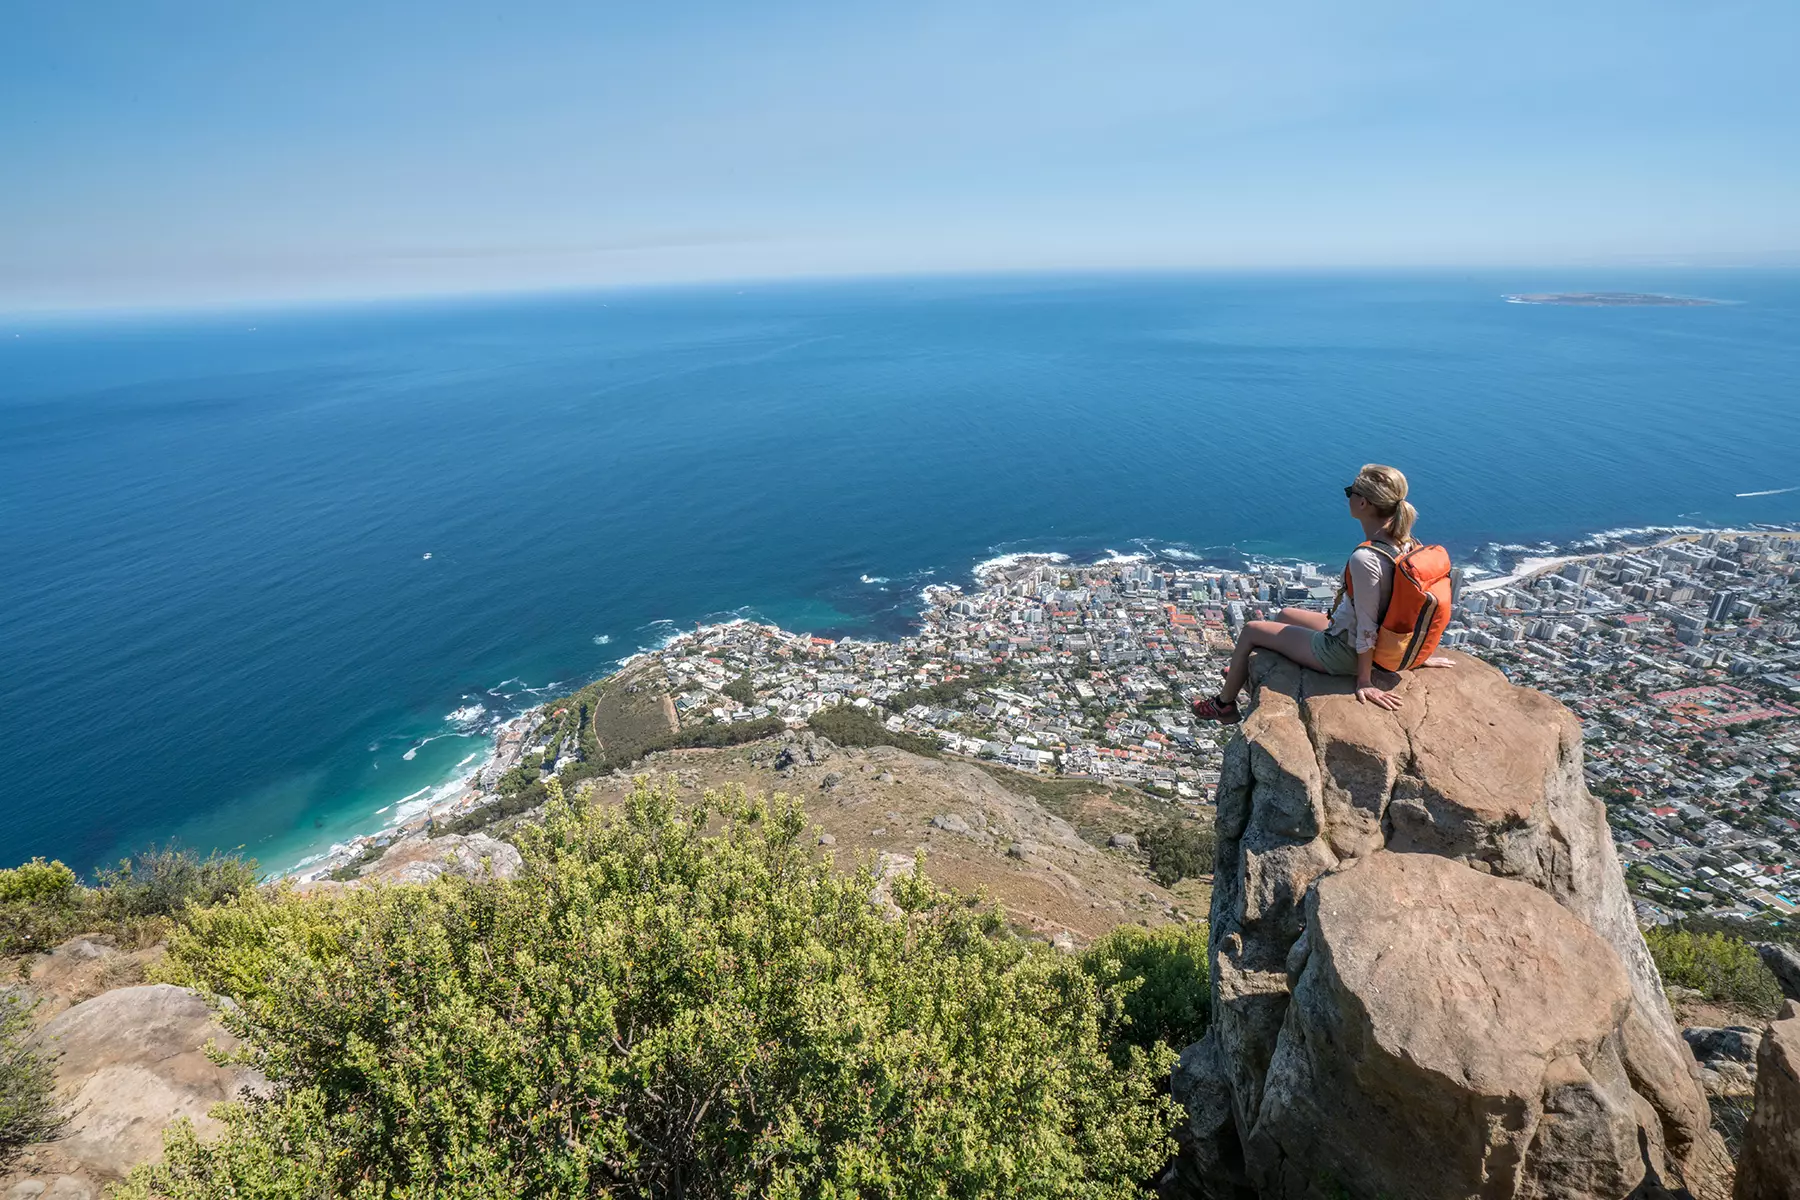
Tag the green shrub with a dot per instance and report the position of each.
(1177, 849)
(38, 882)
(1720, 967)
(29, 1111)
(667, 1001)
(1161, 976)
(162, 882)
(41, 903)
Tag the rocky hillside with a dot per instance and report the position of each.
(1061, 857)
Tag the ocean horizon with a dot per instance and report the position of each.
(274, 575)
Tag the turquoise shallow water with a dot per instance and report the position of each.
(218, 623)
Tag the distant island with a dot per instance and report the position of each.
(1610, 299)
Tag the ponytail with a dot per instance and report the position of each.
(1385, 488)
(1400, 525)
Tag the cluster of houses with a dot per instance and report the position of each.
(1683, 662)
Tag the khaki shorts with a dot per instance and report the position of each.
(1334, 652)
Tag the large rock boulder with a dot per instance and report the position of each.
(132, 1061)
(422, 859)
(1770, 1166)
(1487, 777)
(1437, 1007)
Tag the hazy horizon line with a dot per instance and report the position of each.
(279, 304)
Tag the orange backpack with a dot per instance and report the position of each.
(1418, 610)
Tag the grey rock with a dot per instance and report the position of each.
(1123, 841)
(1018, 850)
(831, 780)
(951, 823)
(825, 839)
(1784, 963)
(1725, 1078)
(134, 1060)
(885, 777)
(421, 859)
(1769, 1168)
(1736, 1043)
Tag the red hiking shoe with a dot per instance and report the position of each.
(1214, 709)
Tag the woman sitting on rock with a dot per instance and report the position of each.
(1342, 641)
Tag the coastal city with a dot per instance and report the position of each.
(1682, 659)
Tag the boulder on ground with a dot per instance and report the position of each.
(134, 1060)
(423, 859)
(1476, 1016)
(1123, 841)
(1476, 772)
(1736, 1043)
(1769, 1168)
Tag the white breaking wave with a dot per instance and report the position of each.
(468, 714)
(414, 752)
(603, 639)
(1003, 561)
(1770, 492)
(874, 578)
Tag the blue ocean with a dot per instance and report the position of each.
(270, 574)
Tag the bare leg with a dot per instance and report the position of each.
(1305, 618)
(1290, 641)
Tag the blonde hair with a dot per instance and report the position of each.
(1385, 488)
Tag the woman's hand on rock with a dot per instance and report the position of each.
(1438, 660)
(1368, 693)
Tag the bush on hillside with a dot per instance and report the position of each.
(44, 903)
(161, 882)
(1178, 849)
(41, 903)
(1722, 968)
(650, 1009)
(1161, 980)
(29, 1111)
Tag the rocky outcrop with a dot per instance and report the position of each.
(131, 1061)
(1527, 1050)
(1770, 1166)
(77, 970)
(1784, 963)
(422, 859)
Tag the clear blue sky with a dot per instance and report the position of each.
(155, 152)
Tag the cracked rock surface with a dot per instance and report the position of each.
(1427, 978)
